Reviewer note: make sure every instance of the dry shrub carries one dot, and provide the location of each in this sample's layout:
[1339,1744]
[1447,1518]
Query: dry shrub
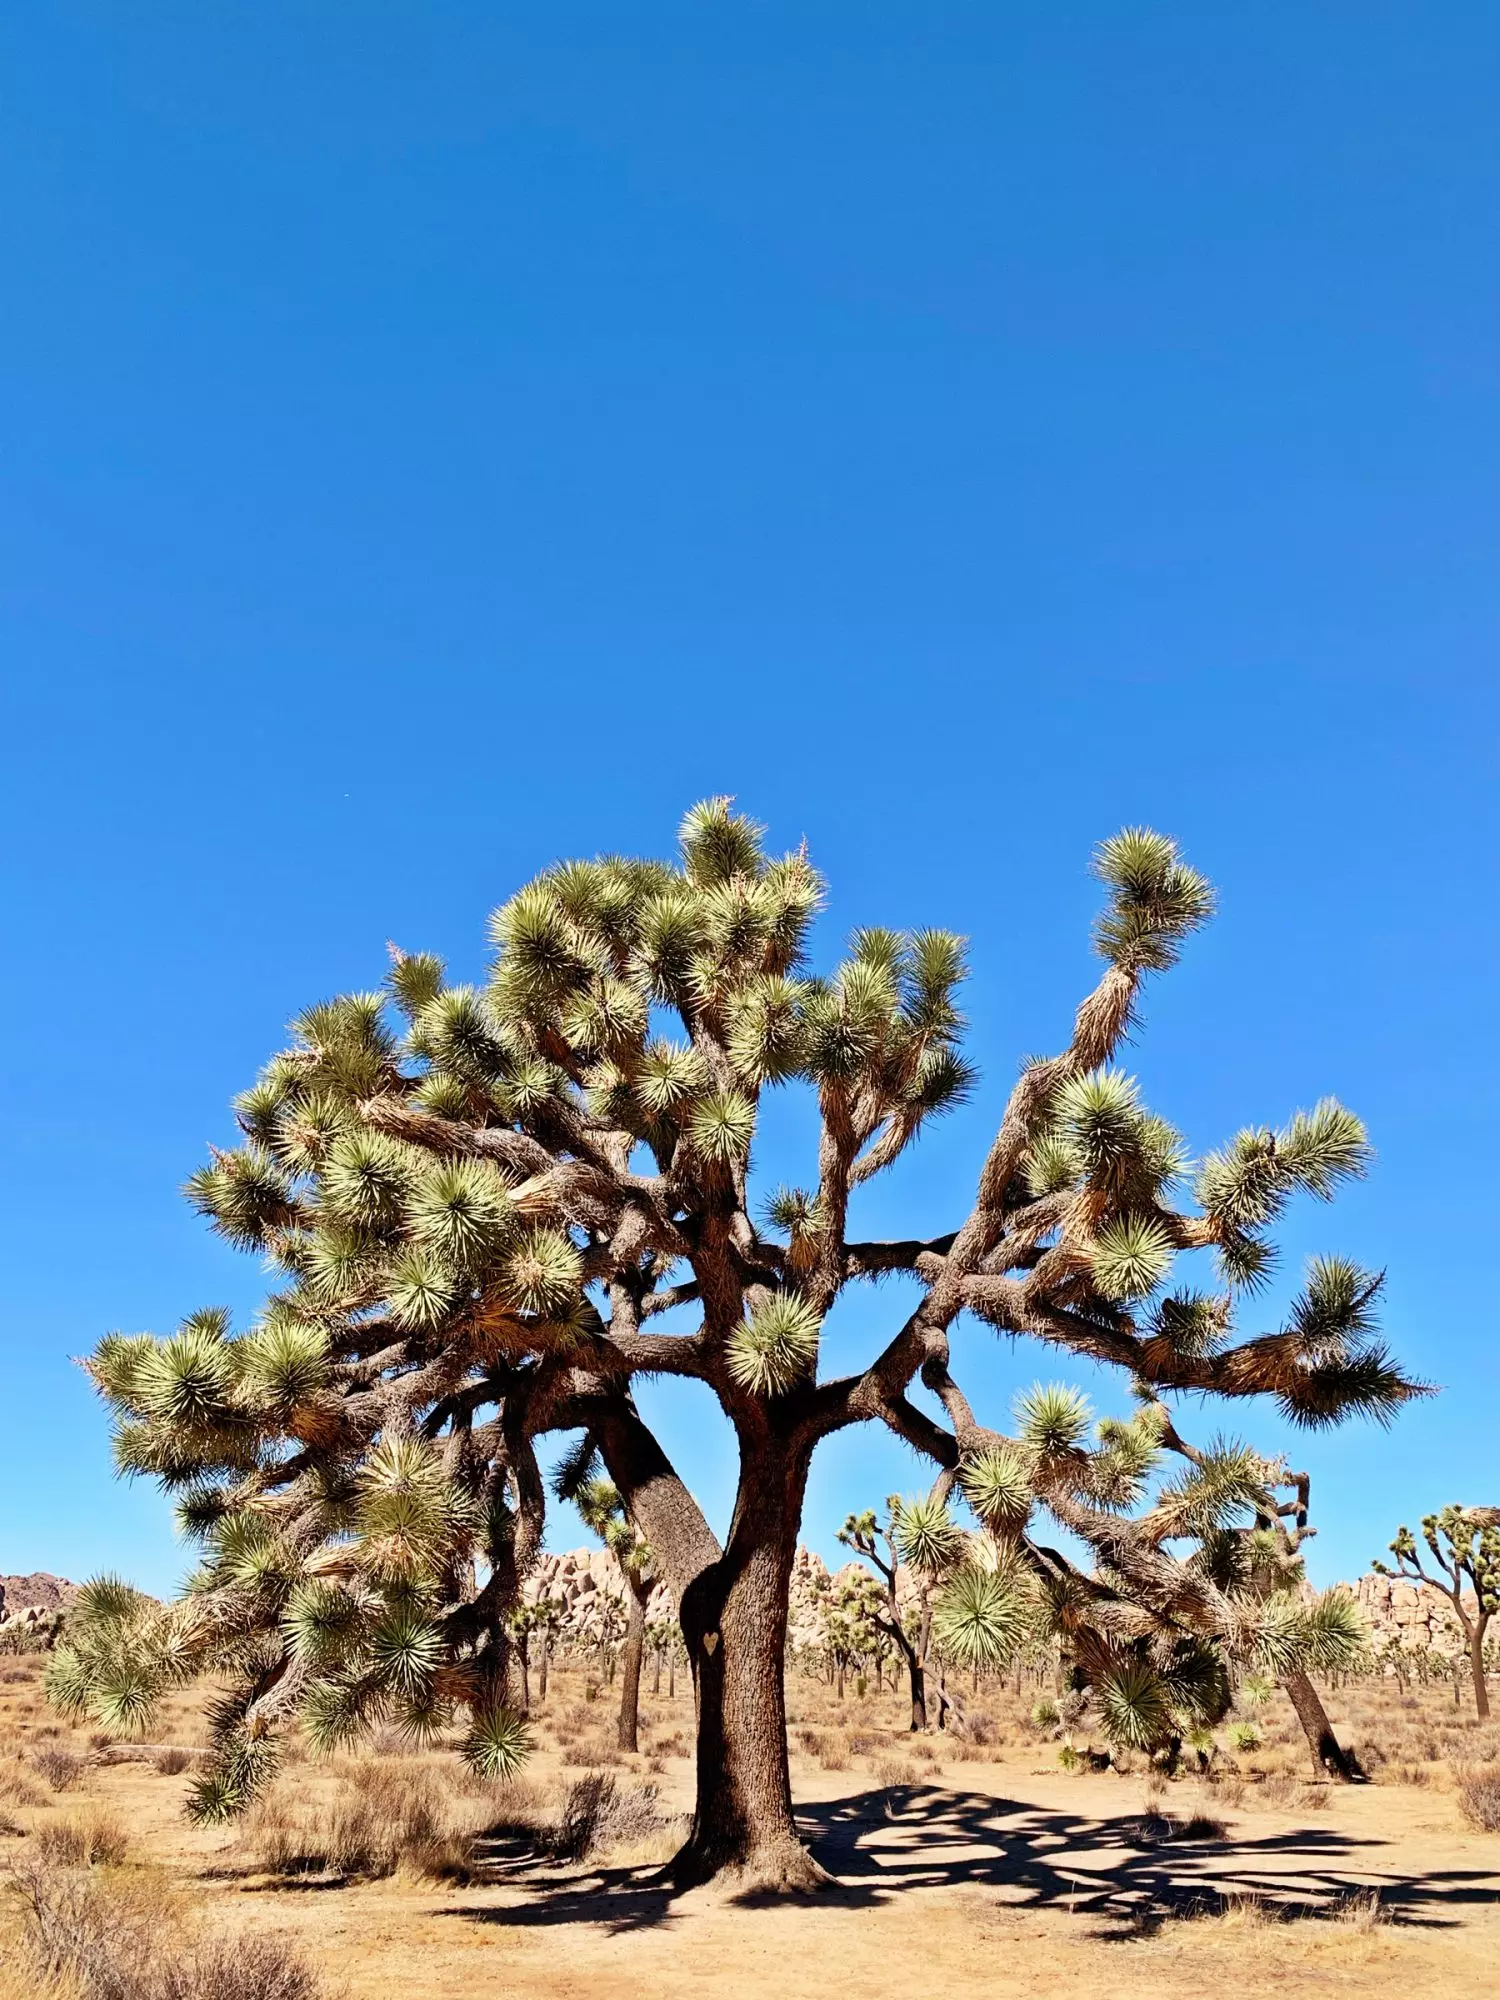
[1361,1910]
[862,1743]
[379,1816]
[598,1815]
[833,1751]
[1478,1788]
[171,1762]
[9,1674]
[1200,1826]
[84,1840]
[19,1788]
[103,1938]
[1228,1788]
[896,1771]
[1313,1798]
[60,1766]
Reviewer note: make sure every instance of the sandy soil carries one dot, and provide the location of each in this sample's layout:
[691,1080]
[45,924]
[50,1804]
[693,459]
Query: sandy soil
[1008,1878]
[998,1877]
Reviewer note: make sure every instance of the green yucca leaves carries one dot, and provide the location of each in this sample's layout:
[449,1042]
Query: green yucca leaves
[456,1032]
[285,1361]
[306,1131]
[367,1180]
[1336,1305]
[997,1485]
[321,1622]
[718,843]
[721,1127]
[924,1534]
[415,980]
[1156,900]
[406,1649]
[982,1616]
[420,1290]
[1053,1162]
[461,1211]
[1192,1324]
[1135,1705]
[333,1713]
[1130,1257]
[777,1346]
[1100,1114]
[543,1272]
[244,1194]
[1052,1419]
[188,1379]
[498,1744]
[1328,1635]
[667,1076]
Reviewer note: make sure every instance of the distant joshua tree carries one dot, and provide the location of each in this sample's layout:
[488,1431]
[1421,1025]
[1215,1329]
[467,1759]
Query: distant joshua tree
[493,1208]
[603,1514]
[922,1536]
[1464,1543]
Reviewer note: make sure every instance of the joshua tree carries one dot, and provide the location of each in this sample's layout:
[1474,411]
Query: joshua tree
[923,1536]
[1464,1543]
[483,1219]
[603,1514]
[546,1618]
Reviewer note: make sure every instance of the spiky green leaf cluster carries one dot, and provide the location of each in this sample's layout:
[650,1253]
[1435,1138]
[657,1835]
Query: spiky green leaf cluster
[777,1346]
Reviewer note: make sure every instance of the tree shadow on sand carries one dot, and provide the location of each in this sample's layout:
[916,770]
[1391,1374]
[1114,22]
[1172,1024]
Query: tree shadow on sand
[1124,1872]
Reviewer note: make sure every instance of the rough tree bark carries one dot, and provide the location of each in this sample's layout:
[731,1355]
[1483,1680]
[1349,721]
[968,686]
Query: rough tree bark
[630,1662]
[1329,1758]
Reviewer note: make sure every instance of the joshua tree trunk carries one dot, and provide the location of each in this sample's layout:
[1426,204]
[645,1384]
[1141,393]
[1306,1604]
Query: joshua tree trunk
[734,1620]
[1476,1667]
[672,1676]
[1329,1757]
[630,1663]
[523,1652]
[656,1674]
[542,1665]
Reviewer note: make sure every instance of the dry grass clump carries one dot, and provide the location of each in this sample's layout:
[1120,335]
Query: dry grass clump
[1478,1788]
[19,1788]
[381,1815]
[833,1751]
[61,1767]
[172,1761]
[599,1816]
[93,1936]
[896,1771]
[83,1840]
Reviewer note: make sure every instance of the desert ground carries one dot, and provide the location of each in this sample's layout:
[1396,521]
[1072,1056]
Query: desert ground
[965,1866]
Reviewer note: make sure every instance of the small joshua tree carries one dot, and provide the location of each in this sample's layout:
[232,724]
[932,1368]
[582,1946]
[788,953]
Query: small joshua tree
[483,1203]
[1464,1544]
[921,1536]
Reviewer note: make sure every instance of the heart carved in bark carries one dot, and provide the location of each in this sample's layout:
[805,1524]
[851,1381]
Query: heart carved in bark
[710,1642]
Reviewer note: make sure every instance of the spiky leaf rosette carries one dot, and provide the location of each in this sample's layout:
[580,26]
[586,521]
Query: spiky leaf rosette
[925,1535]
[983,1615]
[1135,1705]
[498,1744]
[996,1482]
[777,1346]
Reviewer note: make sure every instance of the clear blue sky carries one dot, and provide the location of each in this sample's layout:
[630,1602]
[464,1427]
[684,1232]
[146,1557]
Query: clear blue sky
[435,440]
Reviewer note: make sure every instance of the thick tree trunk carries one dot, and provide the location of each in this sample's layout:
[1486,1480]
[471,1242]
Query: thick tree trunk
[1329,1757]
[522,1655]
[630,1667]
[734,1620]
